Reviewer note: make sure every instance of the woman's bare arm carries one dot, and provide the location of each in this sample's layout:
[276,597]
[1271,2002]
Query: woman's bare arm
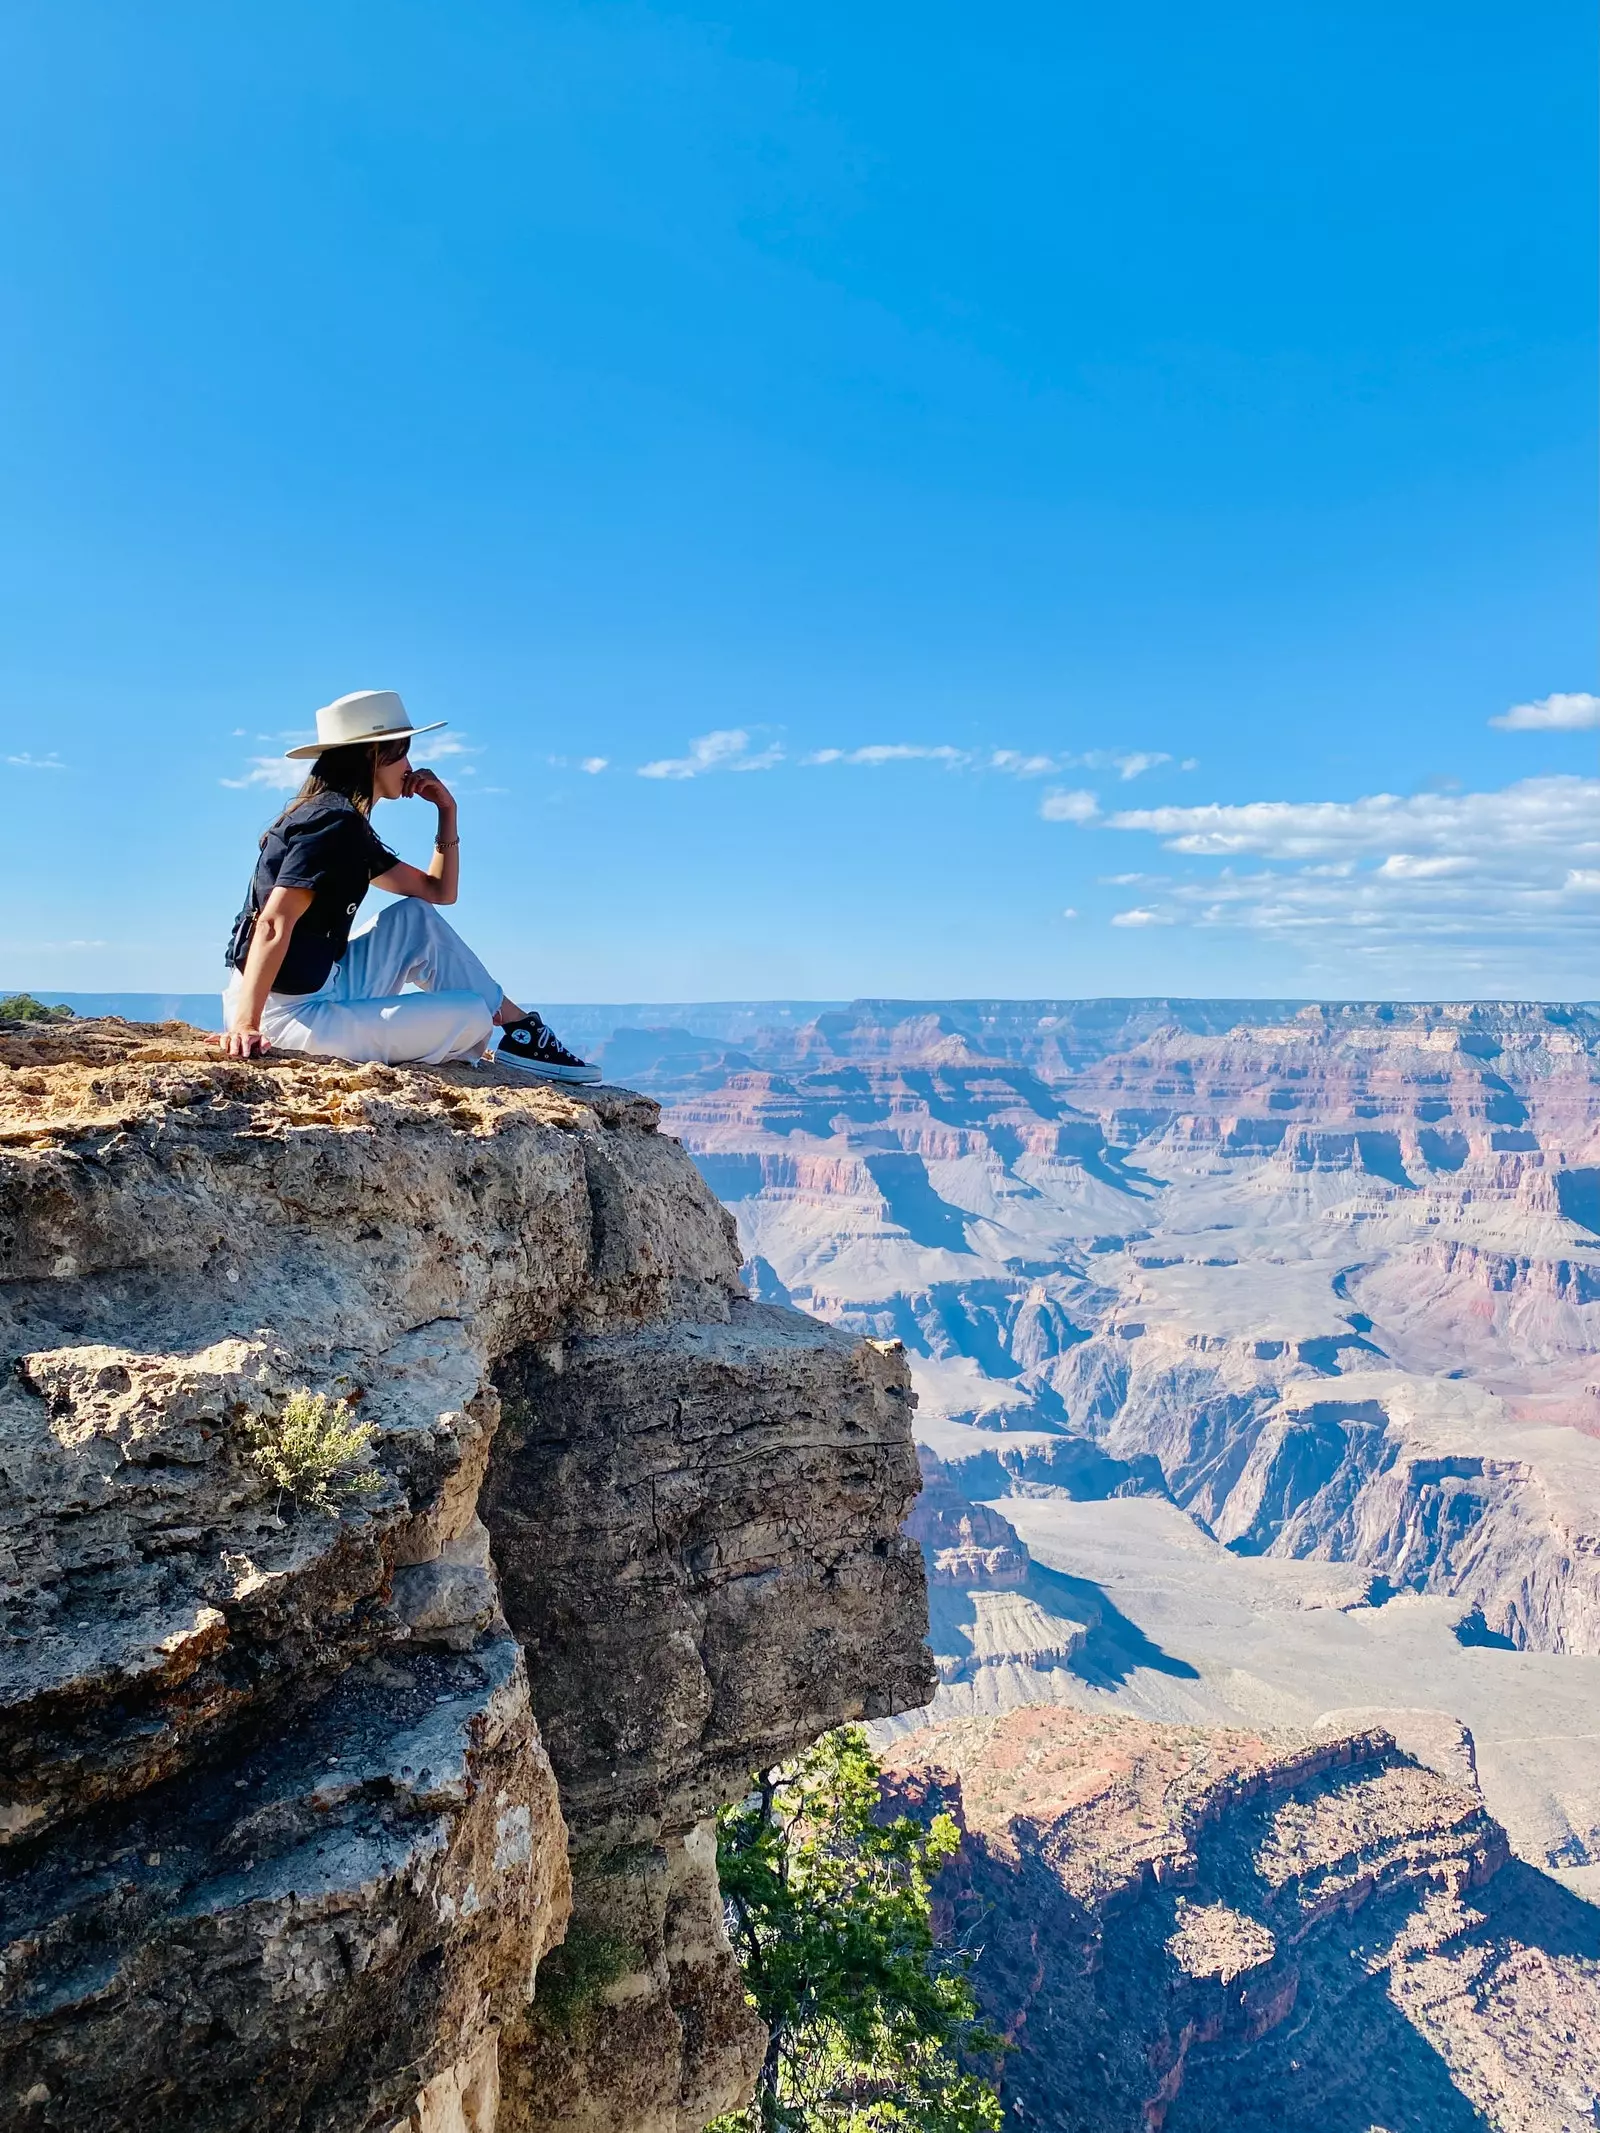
[439,884]
[269,944]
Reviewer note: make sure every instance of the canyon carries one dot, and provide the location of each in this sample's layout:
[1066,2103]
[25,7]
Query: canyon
[1254,1352]
[1170,1425]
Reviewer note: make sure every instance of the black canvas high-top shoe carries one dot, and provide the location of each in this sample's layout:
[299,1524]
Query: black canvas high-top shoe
[534,1047]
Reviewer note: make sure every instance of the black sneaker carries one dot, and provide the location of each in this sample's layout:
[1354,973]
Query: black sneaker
[532,1045]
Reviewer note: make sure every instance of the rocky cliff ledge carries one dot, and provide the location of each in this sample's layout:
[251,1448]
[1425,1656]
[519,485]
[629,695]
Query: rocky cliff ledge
[293,1801]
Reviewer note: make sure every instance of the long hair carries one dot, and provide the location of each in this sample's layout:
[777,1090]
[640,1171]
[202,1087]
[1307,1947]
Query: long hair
[351,770]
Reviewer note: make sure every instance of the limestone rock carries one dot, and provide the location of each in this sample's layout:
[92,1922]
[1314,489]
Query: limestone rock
[280,1843]
[696,1534]
[305,1936]
[695,1528]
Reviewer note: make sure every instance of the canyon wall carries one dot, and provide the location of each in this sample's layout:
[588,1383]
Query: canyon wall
[1327,1276]
[395,1812]
[1216,1931]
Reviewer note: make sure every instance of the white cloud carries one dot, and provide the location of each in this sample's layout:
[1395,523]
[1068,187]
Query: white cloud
[881,752]
[446,744]
[1008,762]
[272,771]
[1406,866]
[1126,762]
[1485,877]
[1548,813]
[1069,912]
[1069,806]
[594,764]
[1017,765]
[728,749]
[36,762]
[1570,713]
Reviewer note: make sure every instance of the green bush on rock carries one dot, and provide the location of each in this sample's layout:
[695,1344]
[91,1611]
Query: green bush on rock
[313,1451]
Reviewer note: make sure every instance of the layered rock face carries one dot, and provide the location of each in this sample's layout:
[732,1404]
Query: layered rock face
[1201,1930]
[695,1527]
[286,1833]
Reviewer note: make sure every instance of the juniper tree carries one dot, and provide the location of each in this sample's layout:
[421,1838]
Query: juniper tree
[829,1909]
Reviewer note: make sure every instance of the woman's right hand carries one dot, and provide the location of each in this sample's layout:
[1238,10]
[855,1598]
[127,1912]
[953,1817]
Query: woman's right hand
[242,1042]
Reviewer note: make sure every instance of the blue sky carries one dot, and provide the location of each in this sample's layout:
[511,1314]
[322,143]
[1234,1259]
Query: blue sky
[1044,501]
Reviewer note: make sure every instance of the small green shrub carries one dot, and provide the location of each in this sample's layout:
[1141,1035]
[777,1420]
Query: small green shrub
[313,1451]
[23,1007]
[573,1976]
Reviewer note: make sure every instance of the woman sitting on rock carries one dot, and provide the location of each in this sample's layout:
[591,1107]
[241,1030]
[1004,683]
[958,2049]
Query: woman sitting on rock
[303,982]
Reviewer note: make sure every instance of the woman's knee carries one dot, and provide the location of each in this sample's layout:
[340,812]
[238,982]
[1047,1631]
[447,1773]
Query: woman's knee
[408,915]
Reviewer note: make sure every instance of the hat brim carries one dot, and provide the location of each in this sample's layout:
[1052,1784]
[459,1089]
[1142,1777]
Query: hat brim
[313,749]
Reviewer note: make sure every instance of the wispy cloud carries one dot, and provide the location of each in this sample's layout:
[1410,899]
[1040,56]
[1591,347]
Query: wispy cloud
[1384,874]
[1553,814]
[727,749]
[271,771]
[1017,765]
[36,762]
[733,749]
[1008,762]
[881,752]
[1571,713]
[1069,806]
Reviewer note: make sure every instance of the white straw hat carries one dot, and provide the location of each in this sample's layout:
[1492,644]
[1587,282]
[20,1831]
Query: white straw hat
[364,715]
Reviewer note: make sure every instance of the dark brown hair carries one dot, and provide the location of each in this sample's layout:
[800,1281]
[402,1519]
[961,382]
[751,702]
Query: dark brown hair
[351,770]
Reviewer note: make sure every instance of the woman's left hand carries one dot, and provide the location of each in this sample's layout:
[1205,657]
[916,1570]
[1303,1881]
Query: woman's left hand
[427,784]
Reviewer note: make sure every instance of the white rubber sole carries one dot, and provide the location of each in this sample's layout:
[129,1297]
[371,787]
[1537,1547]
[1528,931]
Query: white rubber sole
[540,1072]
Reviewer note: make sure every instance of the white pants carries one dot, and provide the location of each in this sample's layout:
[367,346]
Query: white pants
[361,1013]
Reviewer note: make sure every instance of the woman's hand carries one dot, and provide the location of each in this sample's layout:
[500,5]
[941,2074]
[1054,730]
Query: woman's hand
[241,1042]
[269,944]
[427,784]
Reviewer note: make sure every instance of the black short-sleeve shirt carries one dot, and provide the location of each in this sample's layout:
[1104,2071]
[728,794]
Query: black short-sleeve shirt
[329,847]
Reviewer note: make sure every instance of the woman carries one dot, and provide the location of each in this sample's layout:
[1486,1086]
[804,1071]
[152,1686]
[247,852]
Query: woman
[302,982]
